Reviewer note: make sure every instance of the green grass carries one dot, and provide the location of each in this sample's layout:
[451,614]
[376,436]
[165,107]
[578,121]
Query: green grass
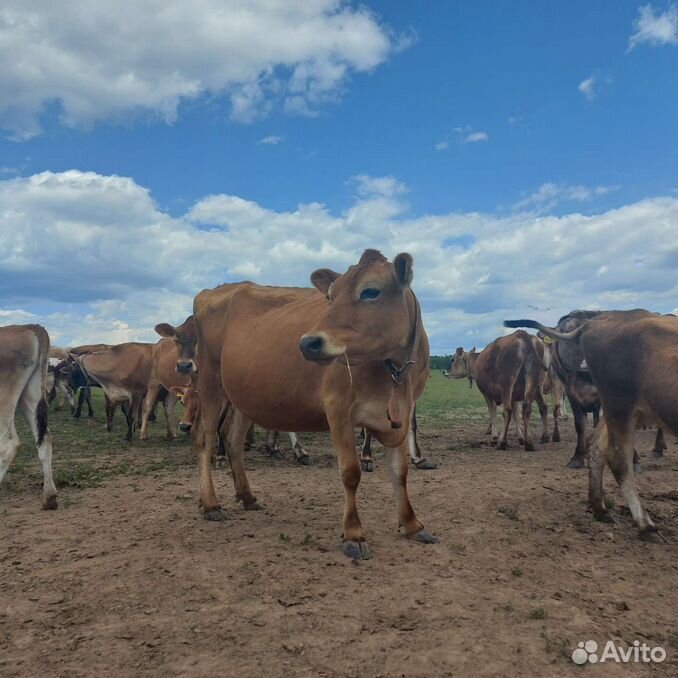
[85,455]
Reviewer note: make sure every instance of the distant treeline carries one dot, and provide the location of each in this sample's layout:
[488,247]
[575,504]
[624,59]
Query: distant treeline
[440,362]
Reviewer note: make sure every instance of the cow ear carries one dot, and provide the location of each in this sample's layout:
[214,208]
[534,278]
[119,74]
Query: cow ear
[403,269]
[165,330]
[323,278]
[473,350]
[459,351]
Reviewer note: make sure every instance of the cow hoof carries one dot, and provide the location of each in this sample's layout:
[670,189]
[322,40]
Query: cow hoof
[575,462]
[651,535]
[545,438]
[367,465]
[220,463]
[255,505]
[215,514]
[143,436]
[555,438]
[356,550]
[424,537]
[529,447]
[304,460]
[425,465]
[50,503]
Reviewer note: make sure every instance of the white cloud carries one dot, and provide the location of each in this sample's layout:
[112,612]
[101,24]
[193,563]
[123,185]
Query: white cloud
[549,195]
[272,140]
[113,60]
[108,264]
[588,87]
[656,29]
[474,137]
[442,145]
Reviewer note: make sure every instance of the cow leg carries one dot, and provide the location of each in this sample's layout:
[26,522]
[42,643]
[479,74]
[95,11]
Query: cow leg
[525,413]
[271,445]
[544,414]
[110,411]
[343,435]
[88,399]
[414,452]
[225,418]
[9,439]
[366,452]
[557,409]
[300,454]
[619,455]
[249,438]
[578,460]
[148,405]
[506,414]
[396,460]
[563,407]
[168,404]
[518,421]
[66,394]
[492,411]
[596,414]
[129,409]
[659,444]
[237,432]
[34,407]
[597,458]
[205,438]
[81,400]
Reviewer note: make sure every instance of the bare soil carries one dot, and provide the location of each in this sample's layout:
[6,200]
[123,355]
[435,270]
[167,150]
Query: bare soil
[127,579]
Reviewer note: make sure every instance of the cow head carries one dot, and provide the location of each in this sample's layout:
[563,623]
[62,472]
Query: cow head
[367,316]
[190,402]
[461,363]
[185,339]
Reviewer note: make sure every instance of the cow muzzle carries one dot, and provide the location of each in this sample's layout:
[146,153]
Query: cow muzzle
[185,366]
[184,427]
[319,348]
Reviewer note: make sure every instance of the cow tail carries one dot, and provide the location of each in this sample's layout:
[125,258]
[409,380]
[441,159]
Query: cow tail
[41,419]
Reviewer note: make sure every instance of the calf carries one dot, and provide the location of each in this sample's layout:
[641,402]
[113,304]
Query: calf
[24,353]
[632,357]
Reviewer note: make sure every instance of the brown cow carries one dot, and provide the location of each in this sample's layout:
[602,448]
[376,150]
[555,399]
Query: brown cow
[508,371]
[24,351]
[363,362]
[633,360]
[123,372]
[164,376]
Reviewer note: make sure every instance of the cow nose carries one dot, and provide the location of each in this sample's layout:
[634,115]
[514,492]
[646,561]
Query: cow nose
[184,366]
[184,427]
[312,346]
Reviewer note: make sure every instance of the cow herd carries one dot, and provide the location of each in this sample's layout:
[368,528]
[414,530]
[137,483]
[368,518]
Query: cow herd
[350,353]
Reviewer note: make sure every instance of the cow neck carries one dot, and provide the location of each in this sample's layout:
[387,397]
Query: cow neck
[472,358]
[398,373]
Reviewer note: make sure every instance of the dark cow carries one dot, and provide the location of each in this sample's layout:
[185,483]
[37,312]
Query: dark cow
[632,357]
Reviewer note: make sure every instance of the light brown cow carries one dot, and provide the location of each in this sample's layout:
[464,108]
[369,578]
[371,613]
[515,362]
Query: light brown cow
[164,376]
[24,351]
[509,371]
[123,372]
[363,362]
[633,360]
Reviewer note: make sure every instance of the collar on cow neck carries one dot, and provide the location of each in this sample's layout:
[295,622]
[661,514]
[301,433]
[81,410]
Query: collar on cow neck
[398,373]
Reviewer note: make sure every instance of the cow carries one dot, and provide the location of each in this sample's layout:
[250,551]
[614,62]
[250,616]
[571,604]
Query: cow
[82,384]
[58,383]
[123,371]
[24,351]
[507,371]
[352,352]
[632,357]
[164,380]
[417,459]
[186,363]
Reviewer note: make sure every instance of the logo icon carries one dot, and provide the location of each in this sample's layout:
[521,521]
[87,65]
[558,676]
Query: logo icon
[586,652]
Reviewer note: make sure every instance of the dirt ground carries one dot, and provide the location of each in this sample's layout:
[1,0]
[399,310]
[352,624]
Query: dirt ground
[126,579]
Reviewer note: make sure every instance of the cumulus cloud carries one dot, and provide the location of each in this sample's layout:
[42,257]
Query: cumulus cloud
[94,258]
[101,61]
[660,28]
[549,195]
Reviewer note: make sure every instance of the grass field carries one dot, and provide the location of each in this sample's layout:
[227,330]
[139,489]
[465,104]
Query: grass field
[85,454]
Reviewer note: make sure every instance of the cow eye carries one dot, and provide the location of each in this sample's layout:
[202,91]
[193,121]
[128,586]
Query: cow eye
[369,293]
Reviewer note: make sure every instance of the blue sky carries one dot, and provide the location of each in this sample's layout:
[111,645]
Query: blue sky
[476,135]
